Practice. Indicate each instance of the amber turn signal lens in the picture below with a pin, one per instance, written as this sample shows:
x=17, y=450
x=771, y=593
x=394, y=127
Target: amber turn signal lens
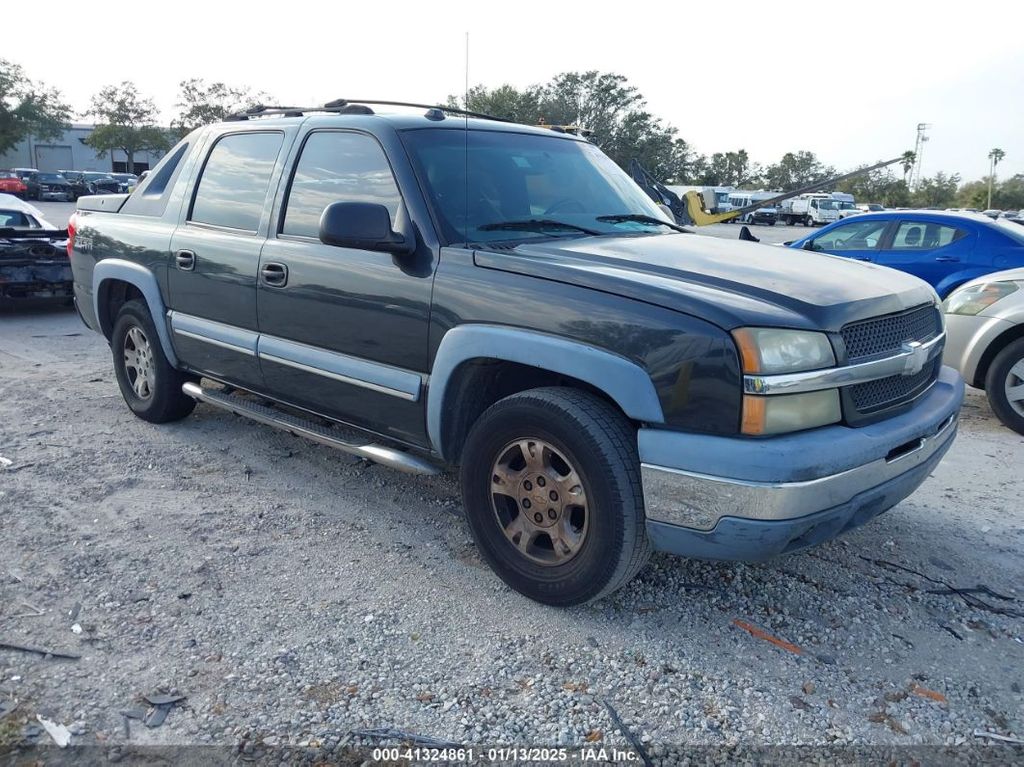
x=754, y=413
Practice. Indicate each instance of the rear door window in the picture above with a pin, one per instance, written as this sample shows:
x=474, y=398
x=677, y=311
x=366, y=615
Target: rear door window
x=337, y=166
x=232, y=189
x=925, y=235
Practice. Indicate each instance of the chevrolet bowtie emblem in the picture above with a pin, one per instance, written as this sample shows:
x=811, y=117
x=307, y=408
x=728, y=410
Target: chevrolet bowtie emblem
x=916, y=357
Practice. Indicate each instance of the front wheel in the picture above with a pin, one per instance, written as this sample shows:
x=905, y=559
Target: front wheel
x=552, y=492
x=1004, y=385
x=150, y=385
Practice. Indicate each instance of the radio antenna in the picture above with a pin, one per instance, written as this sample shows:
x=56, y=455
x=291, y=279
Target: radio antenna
x=465, y=105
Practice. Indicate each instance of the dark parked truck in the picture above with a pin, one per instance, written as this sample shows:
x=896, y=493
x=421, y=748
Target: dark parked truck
x=434, y=291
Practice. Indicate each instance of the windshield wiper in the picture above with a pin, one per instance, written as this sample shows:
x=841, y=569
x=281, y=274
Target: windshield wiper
x=534, y=225
x=641, y=219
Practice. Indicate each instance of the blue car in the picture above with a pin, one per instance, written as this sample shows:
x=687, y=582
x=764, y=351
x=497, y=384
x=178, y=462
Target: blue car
x=943, y=249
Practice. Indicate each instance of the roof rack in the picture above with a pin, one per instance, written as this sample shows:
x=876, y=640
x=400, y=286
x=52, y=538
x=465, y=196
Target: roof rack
x=575, y=130
x=355, y=106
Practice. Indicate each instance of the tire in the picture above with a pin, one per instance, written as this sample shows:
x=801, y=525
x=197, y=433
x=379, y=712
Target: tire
x=1007, y=370
x=808, y=221
x=158, y=398
x=567, y=431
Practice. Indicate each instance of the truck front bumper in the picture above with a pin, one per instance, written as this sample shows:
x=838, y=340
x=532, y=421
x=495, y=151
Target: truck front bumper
x=751, y=499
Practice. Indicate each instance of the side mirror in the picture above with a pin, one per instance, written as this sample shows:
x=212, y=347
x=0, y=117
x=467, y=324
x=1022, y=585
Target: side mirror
x=364, y=226
x=809, y=245
x=788, y=243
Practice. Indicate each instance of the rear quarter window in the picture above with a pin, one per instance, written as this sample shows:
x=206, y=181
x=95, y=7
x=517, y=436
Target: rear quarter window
x=151, y=196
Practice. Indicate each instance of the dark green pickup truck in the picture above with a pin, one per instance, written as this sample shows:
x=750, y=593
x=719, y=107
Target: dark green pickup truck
x=431, y=291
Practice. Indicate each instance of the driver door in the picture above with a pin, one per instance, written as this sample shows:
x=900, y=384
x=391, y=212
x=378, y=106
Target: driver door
x=860, y=240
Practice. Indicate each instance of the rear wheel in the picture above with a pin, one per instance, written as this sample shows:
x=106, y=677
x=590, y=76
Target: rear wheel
x=552, y=492
x=1004, y=385
x=150, y=385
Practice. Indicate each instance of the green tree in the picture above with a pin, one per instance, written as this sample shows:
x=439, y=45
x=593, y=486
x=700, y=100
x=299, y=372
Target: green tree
x=879, y=186
x=28, y=108
x=506, y=101
x=796, y=170
x=1010, y=193
x=126, y=121
x=200, y=103
x=604, y=103
x=939, y=191
x=729, y=169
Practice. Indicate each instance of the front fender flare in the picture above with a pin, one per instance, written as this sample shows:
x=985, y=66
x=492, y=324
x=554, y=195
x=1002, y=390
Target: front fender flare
x=625, y=382
x=143, y=279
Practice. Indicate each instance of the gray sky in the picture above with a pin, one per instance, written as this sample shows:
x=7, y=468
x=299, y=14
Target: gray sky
x=846, y=80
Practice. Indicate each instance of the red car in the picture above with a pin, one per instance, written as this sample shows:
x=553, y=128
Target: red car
x=10, y=183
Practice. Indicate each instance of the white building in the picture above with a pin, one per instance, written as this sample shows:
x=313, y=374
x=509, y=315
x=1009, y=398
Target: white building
x=70, y=152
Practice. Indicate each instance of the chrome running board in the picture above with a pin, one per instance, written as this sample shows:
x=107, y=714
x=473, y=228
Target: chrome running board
x=302, y=427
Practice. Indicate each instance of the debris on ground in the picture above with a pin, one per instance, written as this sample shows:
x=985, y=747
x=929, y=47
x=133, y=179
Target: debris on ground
x=390, y=733
x=61, y=735
x=759, y=634
x=628, y=734
x=924, y=692
x=36, y=612
x=884, y=717
x=161, y=703
x=997, y=736
x=5, y=462
x=39, y=651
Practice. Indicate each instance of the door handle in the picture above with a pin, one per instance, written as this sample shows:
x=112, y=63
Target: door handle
x=947, y=259
x=274, y=274
x=185, y=260
x=861, y=258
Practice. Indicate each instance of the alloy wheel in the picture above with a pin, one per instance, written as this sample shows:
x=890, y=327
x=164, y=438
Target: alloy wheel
x=138, y=362
x=539, y=501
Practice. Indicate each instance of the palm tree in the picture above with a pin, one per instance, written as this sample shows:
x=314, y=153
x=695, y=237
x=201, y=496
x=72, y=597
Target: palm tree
x=907, y=161
x=994, y=158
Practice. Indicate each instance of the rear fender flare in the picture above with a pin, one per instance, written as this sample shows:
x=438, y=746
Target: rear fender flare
x=143, y=279
x=623, y=381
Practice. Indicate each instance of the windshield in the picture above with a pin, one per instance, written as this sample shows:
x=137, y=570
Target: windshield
x=827, y=204
x=527, y=179
x=51, y=177
x=847, y=206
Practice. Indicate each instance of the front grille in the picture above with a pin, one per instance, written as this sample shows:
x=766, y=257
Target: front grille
x=886, y=335
x=882, y=337
x=883, y=393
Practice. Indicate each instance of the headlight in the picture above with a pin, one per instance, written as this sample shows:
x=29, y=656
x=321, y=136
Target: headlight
x=977, y=298
x=773, y=350
x=767, y=351
x=790, y=412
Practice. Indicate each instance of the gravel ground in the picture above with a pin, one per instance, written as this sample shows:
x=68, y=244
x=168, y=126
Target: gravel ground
x=293, y=593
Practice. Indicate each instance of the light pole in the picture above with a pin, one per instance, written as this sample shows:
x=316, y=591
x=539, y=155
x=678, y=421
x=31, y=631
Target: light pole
x=994, y=158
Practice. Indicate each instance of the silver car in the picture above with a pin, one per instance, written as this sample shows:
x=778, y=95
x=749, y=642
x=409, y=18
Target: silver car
x=985, y=340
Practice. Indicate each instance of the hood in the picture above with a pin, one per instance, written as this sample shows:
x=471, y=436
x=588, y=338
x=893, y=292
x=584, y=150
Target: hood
x=727, y=282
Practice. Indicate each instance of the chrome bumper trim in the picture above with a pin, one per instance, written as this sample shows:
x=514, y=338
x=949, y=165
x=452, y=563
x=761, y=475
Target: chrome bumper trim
x=911, y=360
x=699, y=501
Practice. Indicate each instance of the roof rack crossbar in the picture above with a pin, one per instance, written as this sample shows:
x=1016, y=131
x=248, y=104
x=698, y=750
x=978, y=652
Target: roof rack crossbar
x=340, y=105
